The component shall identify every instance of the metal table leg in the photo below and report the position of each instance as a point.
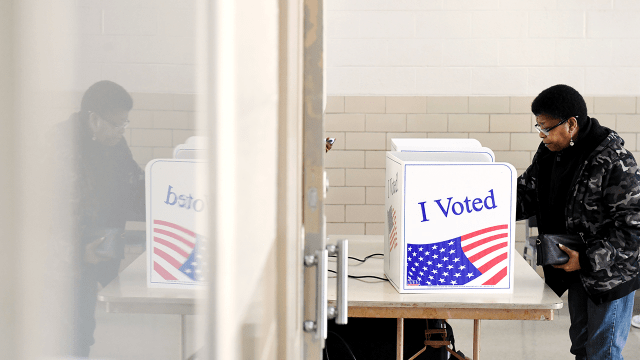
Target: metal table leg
(476, 339)
(400, 339)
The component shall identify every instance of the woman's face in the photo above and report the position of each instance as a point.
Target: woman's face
(109, 128)
(559, 137)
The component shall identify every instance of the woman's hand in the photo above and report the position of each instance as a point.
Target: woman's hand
(573, 264)
(90, 255)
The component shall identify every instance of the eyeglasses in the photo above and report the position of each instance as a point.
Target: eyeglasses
(117, 127)
(548, 130)
(121, 126)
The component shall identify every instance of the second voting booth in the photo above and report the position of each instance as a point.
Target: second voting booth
(177, 214)
(450, 223)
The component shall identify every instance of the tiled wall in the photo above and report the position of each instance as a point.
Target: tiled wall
(159, 122)
(364, 125)
(488, 47)
(144, 45)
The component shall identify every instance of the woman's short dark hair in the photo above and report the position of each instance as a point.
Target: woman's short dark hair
(560, 102)
(105, 97)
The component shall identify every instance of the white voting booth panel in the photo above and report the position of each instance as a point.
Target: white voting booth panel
(450, 225)
(402, 144)
(439, 148)
(193, 148)
(177, 208)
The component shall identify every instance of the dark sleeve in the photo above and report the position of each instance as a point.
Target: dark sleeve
(619, 242)
(526, 197)
(135, 202)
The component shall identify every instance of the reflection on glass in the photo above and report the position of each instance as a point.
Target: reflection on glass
(106, 189)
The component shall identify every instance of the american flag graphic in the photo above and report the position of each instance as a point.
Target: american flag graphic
(175, 250)
(393, 228)
(482, 255)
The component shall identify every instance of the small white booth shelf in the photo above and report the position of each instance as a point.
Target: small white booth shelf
(450, 221)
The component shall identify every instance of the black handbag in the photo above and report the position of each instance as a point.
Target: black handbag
(548, 251)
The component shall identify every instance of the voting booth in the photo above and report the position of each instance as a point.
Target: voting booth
(450, 220)
(177, 211)
(195, 147)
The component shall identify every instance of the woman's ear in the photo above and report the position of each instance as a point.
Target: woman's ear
(94, 120)
(573, 124)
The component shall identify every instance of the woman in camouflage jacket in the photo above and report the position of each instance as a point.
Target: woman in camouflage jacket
(583, 181)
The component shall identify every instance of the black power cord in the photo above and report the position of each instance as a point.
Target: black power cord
(345, 344)
(363, 260)
(363, 276)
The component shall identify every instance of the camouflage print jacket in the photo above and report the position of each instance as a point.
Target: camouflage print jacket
(603, 207)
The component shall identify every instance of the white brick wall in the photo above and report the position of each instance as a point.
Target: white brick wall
(144, 45)
(488, 47)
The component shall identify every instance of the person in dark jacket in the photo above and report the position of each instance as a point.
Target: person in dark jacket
(105, 188)
(583, 181)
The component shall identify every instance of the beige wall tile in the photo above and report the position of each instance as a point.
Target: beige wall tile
(628, 123)
(629, 141)
(334, 213)
(447, 104)
(173, 120)
(185, 102)
(494, 141)
(510, 123)
(406, 104)
(468, 123)
(615, 105)
(520, 104)
(427, 122)
(365, 141)
(344, 159)
(526, 141)
(608, 120)
(148, 101)
(375, 195)
(589, 100)
(452, 135)
(151, 137)
(488, 104)
(180, 136)
(386, 122)
(346, 195)
(336, 177)
(364, 104)
(142, 155)
(374, 229)
(162, 152)
(519, 159)
(345, 228)
(339, 143)
(365, 177)
(375, 159)
(141, 119)
(335, 104)
(365, 213)
(344, 122)
(403, 136)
